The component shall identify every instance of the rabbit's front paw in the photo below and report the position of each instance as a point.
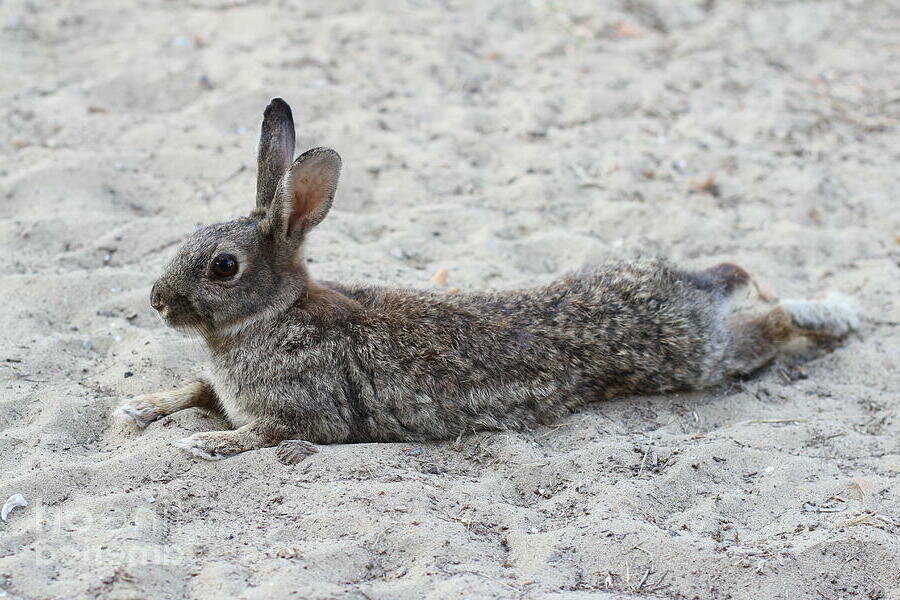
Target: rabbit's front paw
(141, 410)
(290, 452)
(210, 445)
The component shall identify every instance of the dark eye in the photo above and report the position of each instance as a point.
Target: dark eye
(224, 266)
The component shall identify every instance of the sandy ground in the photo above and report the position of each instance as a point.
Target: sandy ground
(505, 142)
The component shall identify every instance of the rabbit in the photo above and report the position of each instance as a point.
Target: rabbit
(296, 362)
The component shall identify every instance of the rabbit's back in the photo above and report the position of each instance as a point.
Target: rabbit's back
(422, 364)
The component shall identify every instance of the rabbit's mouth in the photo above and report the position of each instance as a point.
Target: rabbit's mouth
(180, 317)
(192, 327)
(176, 319)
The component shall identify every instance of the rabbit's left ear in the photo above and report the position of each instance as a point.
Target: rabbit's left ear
(305, 194)
(276, 149)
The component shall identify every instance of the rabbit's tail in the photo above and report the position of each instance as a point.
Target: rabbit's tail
(756, 341)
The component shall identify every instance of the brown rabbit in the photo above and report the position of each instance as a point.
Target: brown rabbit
(295, 361)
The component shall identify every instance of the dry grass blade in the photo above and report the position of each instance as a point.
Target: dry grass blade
(867, 518)
(862, 487)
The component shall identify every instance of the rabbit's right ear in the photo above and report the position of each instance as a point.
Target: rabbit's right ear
(276, 150)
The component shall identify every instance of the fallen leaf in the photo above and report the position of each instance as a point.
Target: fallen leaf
(764, 290)
(624, 30)
(440, 277)
(707, 185)
(815, 216)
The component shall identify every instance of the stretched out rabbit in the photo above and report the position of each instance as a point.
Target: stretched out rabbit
(295, 361)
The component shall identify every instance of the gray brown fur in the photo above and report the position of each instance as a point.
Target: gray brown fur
(294, 361)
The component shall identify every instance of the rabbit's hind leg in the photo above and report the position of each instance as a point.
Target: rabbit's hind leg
(755, 342)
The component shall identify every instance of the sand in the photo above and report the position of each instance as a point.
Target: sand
(506, 142)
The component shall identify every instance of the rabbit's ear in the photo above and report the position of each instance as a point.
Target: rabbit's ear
(276, 149)
(305, 194)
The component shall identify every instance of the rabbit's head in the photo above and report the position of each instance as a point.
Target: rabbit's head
(230, 274)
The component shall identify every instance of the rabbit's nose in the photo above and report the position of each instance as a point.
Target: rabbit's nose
(156, 300)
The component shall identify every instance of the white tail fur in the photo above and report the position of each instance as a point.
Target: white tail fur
(836, 314)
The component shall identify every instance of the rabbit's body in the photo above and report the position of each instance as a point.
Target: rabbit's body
(391, 365)
(294, 361)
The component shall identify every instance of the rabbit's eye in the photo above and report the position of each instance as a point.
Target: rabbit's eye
(224, 266)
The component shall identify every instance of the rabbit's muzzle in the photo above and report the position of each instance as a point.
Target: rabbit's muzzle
(156, 300)
(174, 308)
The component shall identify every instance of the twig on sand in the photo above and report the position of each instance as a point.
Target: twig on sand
(552, 428)
(24, 376)
(826, 418)
(760, 421)
(644, 578)
(867, 518)
(659, 582)
(584, 179)
(222, 6)
(362, 593)
(875, 581)
(644, 459)
(494, 579)
(237, 172)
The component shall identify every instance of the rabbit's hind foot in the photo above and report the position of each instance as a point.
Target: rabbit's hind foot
(755, 342)
(834, 316)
